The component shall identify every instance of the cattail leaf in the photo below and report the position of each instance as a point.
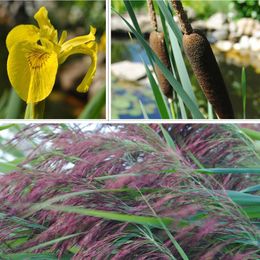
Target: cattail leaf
(181, 67)
(160, 101)
(112, 215)
(243, 90)
(132, 15)
(169, 18)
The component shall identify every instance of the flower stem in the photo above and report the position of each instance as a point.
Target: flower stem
(35, 110)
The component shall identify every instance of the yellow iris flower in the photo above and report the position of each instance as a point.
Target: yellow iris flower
(36, 52)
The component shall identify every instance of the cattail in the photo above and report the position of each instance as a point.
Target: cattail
(157, 44)
(204, 65)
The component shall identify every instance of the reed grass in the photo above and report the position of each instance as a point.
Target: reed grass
(130, 191)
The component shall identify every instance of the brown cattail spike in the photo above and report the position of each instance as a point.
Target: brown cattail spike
(157, 44)
(204, 65)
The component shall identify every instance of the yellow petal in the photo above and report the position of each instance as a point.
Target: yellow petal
(32, 70)
(70, 45)
(46, 28)
(90, 50)
(22, 33)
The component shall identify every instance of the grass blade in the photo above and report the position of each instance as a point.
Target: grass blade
(51, 242)
(111, 215)
(229, 170)
(244, 199)
(255, 135)
(251, 189)
(173, 240)
(168, 138)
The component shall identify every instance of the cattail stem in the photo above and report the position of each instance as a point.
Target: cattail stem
(152, 15)
(182, 16)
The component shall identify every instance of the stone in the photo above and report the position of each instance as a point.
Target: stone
(127, 70)
(199, 24)
(234, 37)
(254, 44)
(245, 26)
(232, 27)
(256, 35)
(220, 35)
(224, 45)
(190, 13)
(117, 24)
(237, 46)
(249, 27)
(244, 42)
(216, 21)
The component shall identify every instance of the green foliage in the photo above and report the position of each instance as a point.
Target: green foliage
(205, 8)
(118, 5)
(247, 8)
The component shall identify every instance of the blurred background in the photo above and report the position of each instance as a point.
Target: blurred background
(233, 29)
(75, 17)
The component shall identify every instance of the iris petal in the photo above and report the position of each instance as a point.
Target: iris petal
(46, 28)
(90, 50)
(22, 33)
(32, 70)
(69, 46)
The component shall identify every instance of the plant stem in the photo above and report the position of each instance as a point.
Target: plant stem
(172, 108)
(182, 17)
(35, 110)
(152, 15)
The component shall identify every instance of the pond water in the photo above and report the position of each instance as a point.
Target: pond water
(126, 95)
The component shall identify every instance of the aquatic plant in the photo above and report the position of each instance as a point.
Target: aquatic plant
(165, 55)
(131, 192)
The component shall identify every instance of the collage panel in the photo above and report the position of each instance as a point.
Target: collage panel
(185, 59)
(112, 139)
(129, 191)
(53, 59)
